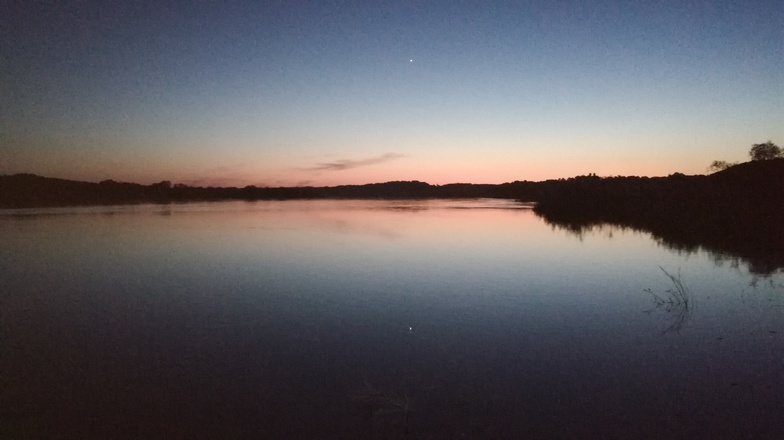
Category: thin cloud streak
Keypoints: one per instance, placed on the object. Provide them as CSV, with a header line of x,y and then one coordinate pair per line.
x,y
345,164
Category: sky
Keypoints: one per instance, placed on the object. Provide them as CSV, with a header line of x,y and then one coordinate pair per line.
x,y
293,92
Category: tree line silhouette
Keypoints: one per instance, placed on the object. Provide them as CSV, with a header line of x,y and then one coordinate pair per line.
x,y
737,212
29,190
614,197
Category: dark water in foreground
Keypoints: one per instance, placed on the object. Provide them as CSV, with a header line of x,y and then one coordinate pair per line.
x,y
373,320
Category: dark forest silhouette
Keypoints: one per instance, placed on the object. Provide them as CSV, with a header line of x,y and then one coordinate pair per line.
x,y
734,213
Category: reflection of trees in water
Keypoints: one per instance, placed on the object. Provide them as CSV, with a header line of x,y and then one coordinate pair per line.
x,y
755,254
761,250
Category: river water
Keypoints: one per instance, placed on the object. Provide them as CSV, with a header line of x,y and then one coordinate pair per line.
x,y
435,319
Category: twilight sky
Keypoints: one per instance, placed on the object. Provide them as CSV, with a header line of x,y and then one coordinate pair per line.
x,y
295,92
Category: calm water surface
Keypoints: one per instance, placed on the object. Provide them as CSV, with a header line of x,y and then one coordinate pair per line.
x,y
373,320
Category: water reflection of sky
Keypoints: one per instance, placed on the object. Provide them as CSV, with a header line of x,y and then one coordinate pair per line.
x,y
491,321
